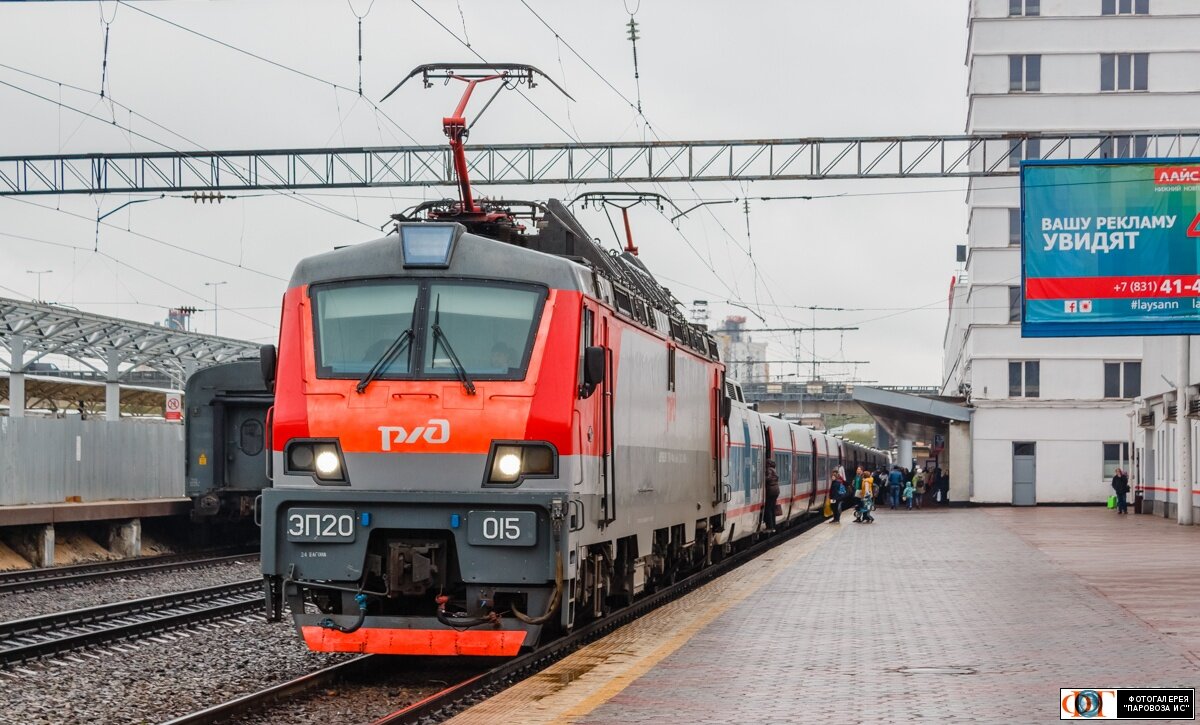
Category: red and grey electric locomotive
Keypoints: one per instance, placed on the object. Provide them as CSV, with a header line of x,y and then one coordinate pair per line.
x,y
486,427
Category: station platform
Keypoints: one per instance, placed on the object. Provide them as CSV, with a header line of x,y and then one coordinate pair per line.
x,y
61,513
960,615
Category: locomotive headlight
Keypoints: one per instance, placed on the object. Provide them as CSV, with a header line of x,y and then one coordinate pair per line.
x,y
509,465
328,463
321,459
511,462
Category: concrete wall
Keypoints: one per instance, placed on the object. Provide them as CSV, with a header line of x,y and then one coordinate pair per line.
x,y
49,460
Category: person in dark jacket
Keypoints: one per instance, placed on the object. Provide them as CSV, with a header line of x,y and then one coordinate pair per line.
x,y
1120,484
772,496
838,492
895,478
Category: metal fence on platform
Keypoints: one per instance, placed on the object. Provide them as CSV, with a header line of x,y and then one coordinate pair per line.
x,y
57,459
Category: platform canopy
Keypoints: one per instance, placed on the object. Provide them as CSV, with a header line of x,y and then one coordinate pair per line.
x,y
912,417
111,347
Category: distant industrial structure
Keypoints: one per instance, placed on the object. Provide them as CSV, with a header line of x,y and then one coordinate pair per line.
x,y
745,360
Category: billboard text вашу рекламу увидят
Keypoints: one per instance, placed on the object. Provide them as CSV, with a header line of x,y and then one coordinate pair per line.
x,y
1110,248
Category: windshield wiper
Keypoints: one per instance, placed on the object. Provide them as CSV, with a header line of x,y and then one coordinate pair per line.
x,y
439,338
403,340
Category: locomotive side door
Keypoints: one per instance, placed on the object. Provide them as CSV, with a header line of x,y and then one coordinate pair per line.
x,y
608,498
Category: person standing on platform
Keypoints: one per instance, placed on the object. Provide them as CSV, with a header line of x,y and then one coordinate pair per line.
x,y
837,496
864,493
772,496
1120,484
944,486
893,482
910,493
919,485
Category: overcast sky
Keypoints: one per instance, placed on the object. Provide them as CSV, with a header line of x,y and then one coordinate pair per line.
x,y
884,250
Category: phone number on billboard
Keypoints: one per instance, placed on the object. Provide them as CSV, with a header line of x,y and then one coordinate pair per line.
x,y
1168,286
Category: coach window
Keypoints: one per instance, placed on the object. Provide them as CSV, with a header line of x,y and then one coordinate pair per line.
x,y
1023,378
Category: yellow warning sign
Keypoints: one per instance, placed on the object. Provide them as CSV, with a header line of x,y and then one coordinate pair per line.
x,y
203,460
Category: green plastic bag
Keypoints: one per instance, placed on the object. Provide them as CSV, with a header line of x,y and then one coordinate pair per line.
x,y
1112,501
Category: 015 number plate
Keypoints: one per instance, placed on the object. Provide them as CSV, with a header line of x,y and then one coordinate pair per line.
x,y
321,525
501,528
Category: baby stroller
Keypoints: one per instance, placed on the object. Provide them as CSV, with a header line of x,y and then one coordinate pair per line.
x,y
862,512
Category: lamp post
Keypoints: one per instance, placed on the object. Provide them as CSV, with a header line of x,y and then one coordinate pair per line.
x,y
39,273
215,285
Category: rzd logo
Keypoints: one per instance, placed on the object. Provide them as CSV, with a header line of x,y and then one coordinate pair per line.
x,y
1088,704
436,431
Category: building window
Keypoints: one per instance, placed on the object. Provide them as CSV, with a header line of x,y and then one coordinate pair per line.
x,y
1024,73
1125,147
1123,71
1023,379
1122,379
1124,7
1024,7
1014,227
1115,456
1027,149
1014,304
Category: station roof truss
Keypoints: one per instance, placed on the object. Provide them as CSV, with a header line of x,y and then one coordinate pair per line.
x,y
796,159
108,344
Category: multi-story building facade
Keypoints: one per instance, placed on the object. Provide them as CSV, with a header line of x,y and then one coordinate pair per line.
x,y
1051,416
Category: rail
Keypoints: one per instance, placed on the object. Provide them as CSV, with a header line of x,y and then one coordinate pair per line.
x,y
28,579
35,637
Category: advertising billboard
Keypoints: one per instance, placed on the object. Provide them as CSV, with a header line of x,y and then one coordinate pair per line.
x,y
1110,247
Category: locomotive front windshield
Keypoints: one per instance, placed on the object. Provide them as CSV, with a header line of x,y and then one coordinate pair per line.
x,y
487,326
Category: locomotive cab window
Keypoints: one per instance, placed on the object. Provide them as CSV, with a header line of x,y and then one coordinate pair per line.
x,y
486,327
357,324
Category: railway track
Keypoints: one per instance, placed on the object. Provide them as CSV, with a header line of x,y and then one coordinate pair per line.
x,y
28,579
476,688
23,640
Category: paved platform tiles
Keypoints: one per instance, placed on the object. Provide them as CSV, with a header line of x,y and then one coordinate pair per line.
x,y
822,628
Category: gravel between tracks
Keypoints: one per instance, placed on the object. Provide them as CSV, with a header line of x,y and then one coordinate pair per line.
x,y
149,681
396,683
120,587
